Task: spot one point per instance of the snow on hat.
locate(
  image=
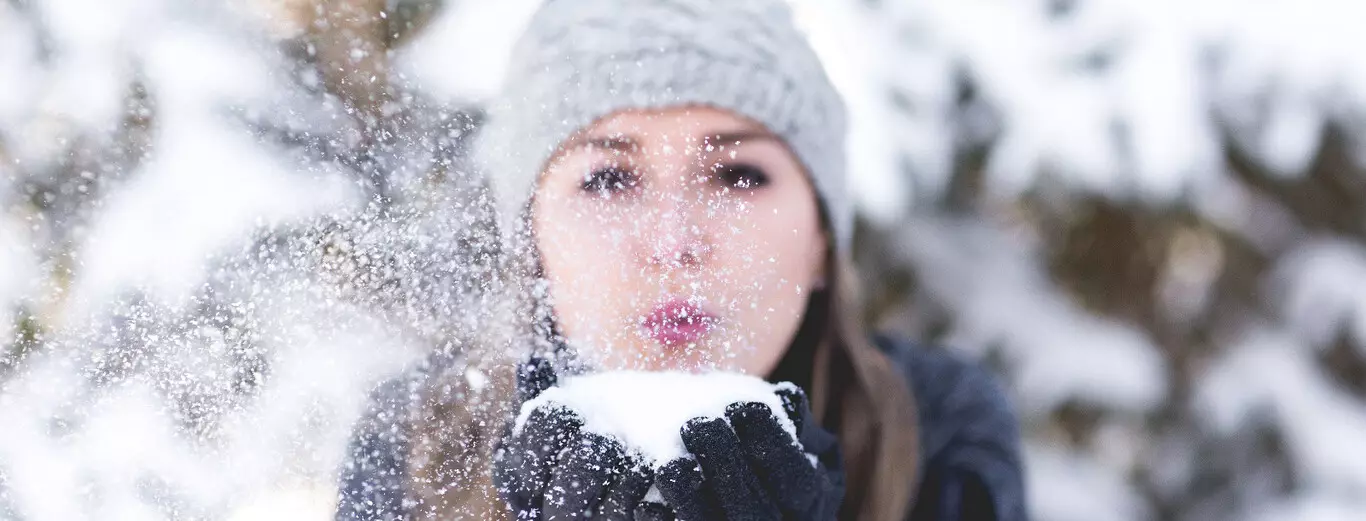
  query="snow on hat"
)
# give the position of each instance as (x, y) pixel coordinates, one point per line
(582, 60)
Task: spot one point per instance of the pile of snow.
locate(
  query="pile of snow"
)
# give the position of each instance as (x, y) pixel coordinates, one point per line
(645, 410)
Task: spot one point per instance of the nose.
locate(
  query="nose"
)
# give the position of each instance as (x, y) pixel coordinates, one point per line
(679, 252)
(679, 237)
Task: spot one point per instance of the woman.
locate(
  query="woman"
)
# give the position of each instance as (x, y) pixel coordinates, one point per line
(668, 177)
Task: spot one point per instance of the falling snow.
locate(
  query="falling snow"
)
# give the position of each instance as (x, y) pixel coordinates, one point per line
(225, 223)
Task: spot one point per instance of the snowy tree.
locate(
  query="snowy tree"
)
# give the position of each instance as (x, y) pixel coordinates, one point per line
(228, 213)
(224, 222)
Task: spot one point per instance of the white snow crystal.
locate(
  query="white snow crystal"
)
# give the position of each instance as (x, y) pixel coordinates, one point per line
(646, 409)
(476, 378)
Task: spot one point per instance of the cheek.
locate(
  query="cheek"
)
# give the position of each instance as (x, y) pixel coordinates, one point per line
(779, 254)
(781, 246)
(585, 265)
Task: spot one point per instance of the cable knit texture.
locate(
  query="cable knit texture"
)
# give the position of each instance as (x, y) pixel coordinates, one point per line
(581, 60)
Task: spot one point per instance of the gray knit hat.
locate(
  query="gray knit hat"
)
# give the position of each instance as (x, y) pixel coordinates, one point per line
(581, 60)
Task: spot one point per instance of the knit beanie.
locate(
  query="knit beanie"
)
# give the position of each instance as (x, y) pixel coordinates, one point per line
(582, 60)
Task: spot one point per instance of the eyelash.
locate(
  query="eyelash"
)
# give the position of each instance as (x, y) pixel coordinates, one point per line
(609, 180)
(741, 176)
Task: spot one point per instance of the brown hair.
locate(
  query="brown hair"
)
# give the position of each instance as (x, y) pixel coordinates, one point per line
(867, 403)
(853, 388)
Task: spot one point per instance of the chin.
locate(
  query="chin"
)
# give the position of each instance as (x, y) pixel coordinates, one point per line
(699, 359)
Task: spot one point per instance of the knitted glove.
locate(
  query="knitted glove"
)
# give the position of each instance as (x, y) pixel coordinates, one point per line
(752, 470)
(551, 469)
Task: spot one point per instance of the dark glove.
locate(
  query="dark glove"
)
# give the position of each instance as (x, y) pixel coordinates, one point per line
(551, 469)
(751, 469)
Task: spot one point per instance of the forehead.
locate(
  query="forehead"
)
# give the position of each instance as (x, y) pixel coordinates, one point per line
(688, 124)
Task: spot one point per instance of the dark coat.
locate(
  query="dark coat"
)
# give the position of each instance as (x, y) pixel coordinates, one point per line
(969, 443)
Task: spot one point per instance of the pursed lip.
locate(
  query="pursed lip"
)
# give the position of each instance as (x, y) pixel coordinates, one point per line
(677, 322)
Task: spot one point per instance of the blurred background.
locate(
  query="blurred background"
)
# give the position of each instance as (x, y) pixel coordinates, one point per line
(222, 222)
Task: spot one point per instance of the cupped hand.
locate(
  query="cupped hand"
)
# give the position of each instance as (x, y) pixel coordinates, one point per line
(748, 467)
(550, 468)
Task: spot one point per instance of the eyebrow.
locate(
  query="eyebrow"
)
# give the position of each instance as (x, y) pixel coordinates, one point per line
(735, 138)
(619, 143)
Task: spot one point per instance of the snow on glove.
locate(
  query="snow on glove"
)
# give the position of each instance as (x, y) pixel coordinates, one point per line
(552, 469)
(751, 469)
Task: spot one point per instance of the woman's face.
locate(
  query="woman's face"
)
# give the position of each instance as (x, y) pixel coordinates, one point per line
(684, 239)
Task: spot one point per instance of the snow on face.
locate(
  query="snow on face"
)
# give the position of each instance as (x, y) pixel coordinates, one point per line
(644, 410)
(683, 239)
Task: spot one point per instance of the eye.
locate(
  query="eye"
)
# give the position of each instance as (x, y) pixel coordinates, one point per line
(608, 180)
(744, 177)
